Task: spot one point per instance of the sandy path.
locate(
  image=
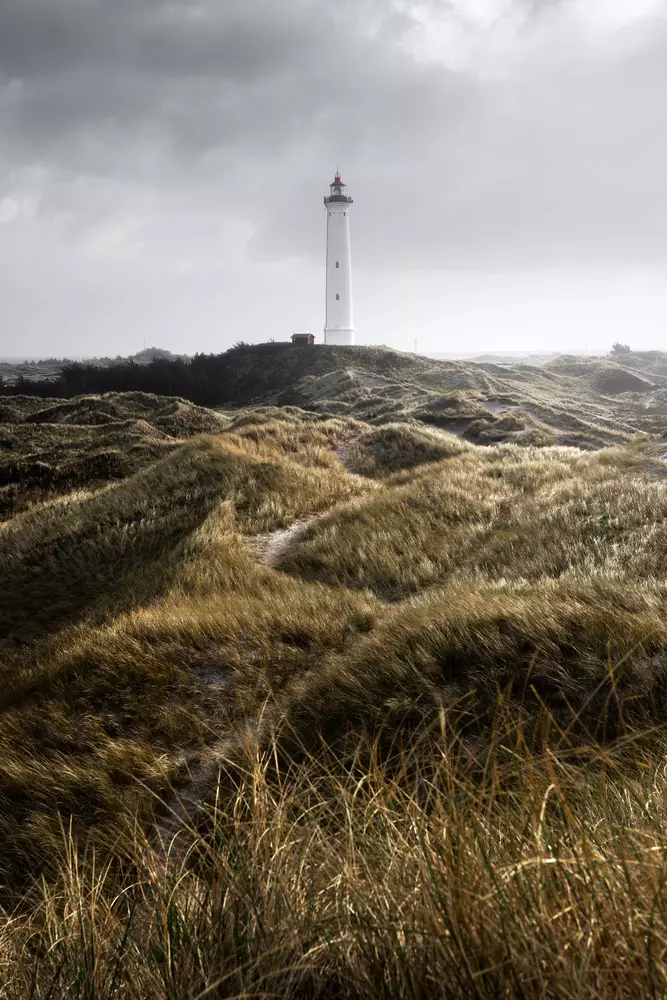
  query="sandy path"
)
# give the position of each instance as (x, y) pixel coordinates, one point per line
(371, 381)
(202, 765)
(270, 547)
(494, 407)
(342, 457)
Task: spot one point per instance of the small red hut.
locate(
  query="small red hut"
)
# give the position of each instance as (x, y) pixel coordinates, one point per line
(303, 338)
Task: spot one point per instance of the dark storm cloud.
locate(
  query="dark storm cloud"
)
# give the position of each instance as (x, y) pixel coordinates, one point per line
(144, 90)
(208, 74)
(561, 155)
(245, 76)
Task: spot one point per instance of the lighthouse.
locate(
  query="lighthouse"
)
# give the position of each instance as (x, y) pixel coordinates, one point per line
(339, 328)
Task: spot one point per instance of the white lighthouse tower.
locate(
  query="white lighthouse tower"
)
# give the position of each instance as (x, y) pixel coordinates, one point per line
(339, 327)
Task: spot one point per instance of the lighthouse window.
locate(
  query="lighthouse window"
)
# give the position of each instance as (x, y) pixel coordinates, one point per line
(337, 263)
(337, 297)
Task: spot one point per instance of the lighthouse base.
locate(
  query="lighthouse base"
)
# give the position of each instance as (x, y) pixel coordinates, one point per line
(339, 338)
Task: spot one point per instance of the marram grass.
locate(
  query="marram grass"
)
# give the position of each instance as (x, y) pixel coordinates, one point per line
(544, 877)
(420, 754)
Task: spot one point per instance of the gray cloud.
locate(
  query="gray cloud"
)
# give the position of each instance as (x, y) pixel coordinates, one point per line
(537, 138)
(250, 73)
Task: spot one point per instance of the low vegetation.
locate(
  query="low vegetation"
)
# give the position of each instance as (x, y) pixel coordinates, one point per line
(419, 753)
(50, 448)
(387, 449)
(502, 513)
(354, 886)
(587, 403)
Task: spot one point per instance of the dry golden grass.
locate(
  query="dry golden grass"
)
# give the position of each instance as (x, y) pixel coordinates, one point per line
(421, 757)
(96, 554)
(48, 448)
(500, 513)
(125, 612)
(395, 446)
(545, 878)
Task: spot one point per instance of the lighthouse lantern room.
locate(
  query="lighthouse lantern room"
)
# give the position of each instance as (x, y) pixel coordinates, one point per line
(339, 328)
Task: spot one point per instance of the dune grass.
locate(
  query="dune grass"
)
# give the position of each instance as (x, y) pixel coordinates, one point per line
(125, 612)
(395, 446)
(50, 448)
(545, 878)
(500, 513)
(121, 546)
(422, 756)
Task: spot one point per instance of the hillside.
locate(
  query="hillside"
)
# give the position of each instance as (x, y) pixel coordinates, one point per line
(48, 447)
(568, 401)
(353, 686)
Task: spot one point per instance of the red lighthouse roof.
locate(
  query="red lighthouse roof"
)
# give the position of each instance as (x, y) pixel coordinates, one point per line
(337, 181)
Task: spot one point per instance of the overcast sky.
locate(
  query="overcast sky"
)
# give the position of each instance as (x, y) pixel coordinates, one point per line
(162, 168)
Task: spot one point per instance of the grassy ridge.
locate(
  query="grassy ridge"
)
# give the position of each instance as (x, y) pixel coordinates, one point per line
(502, 513)
(569, 401)
(420, 749)
(50, 448)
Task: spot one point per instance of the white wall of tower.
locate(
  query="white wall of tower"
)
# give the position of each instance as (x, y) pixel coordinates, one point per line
(339, 327)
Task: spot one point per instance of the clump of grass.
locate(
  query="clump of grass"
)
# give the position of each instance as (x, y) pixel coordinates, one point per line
(545, 879)
(305, 438)
(592, 655)
(611, 379)
(392, 447)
